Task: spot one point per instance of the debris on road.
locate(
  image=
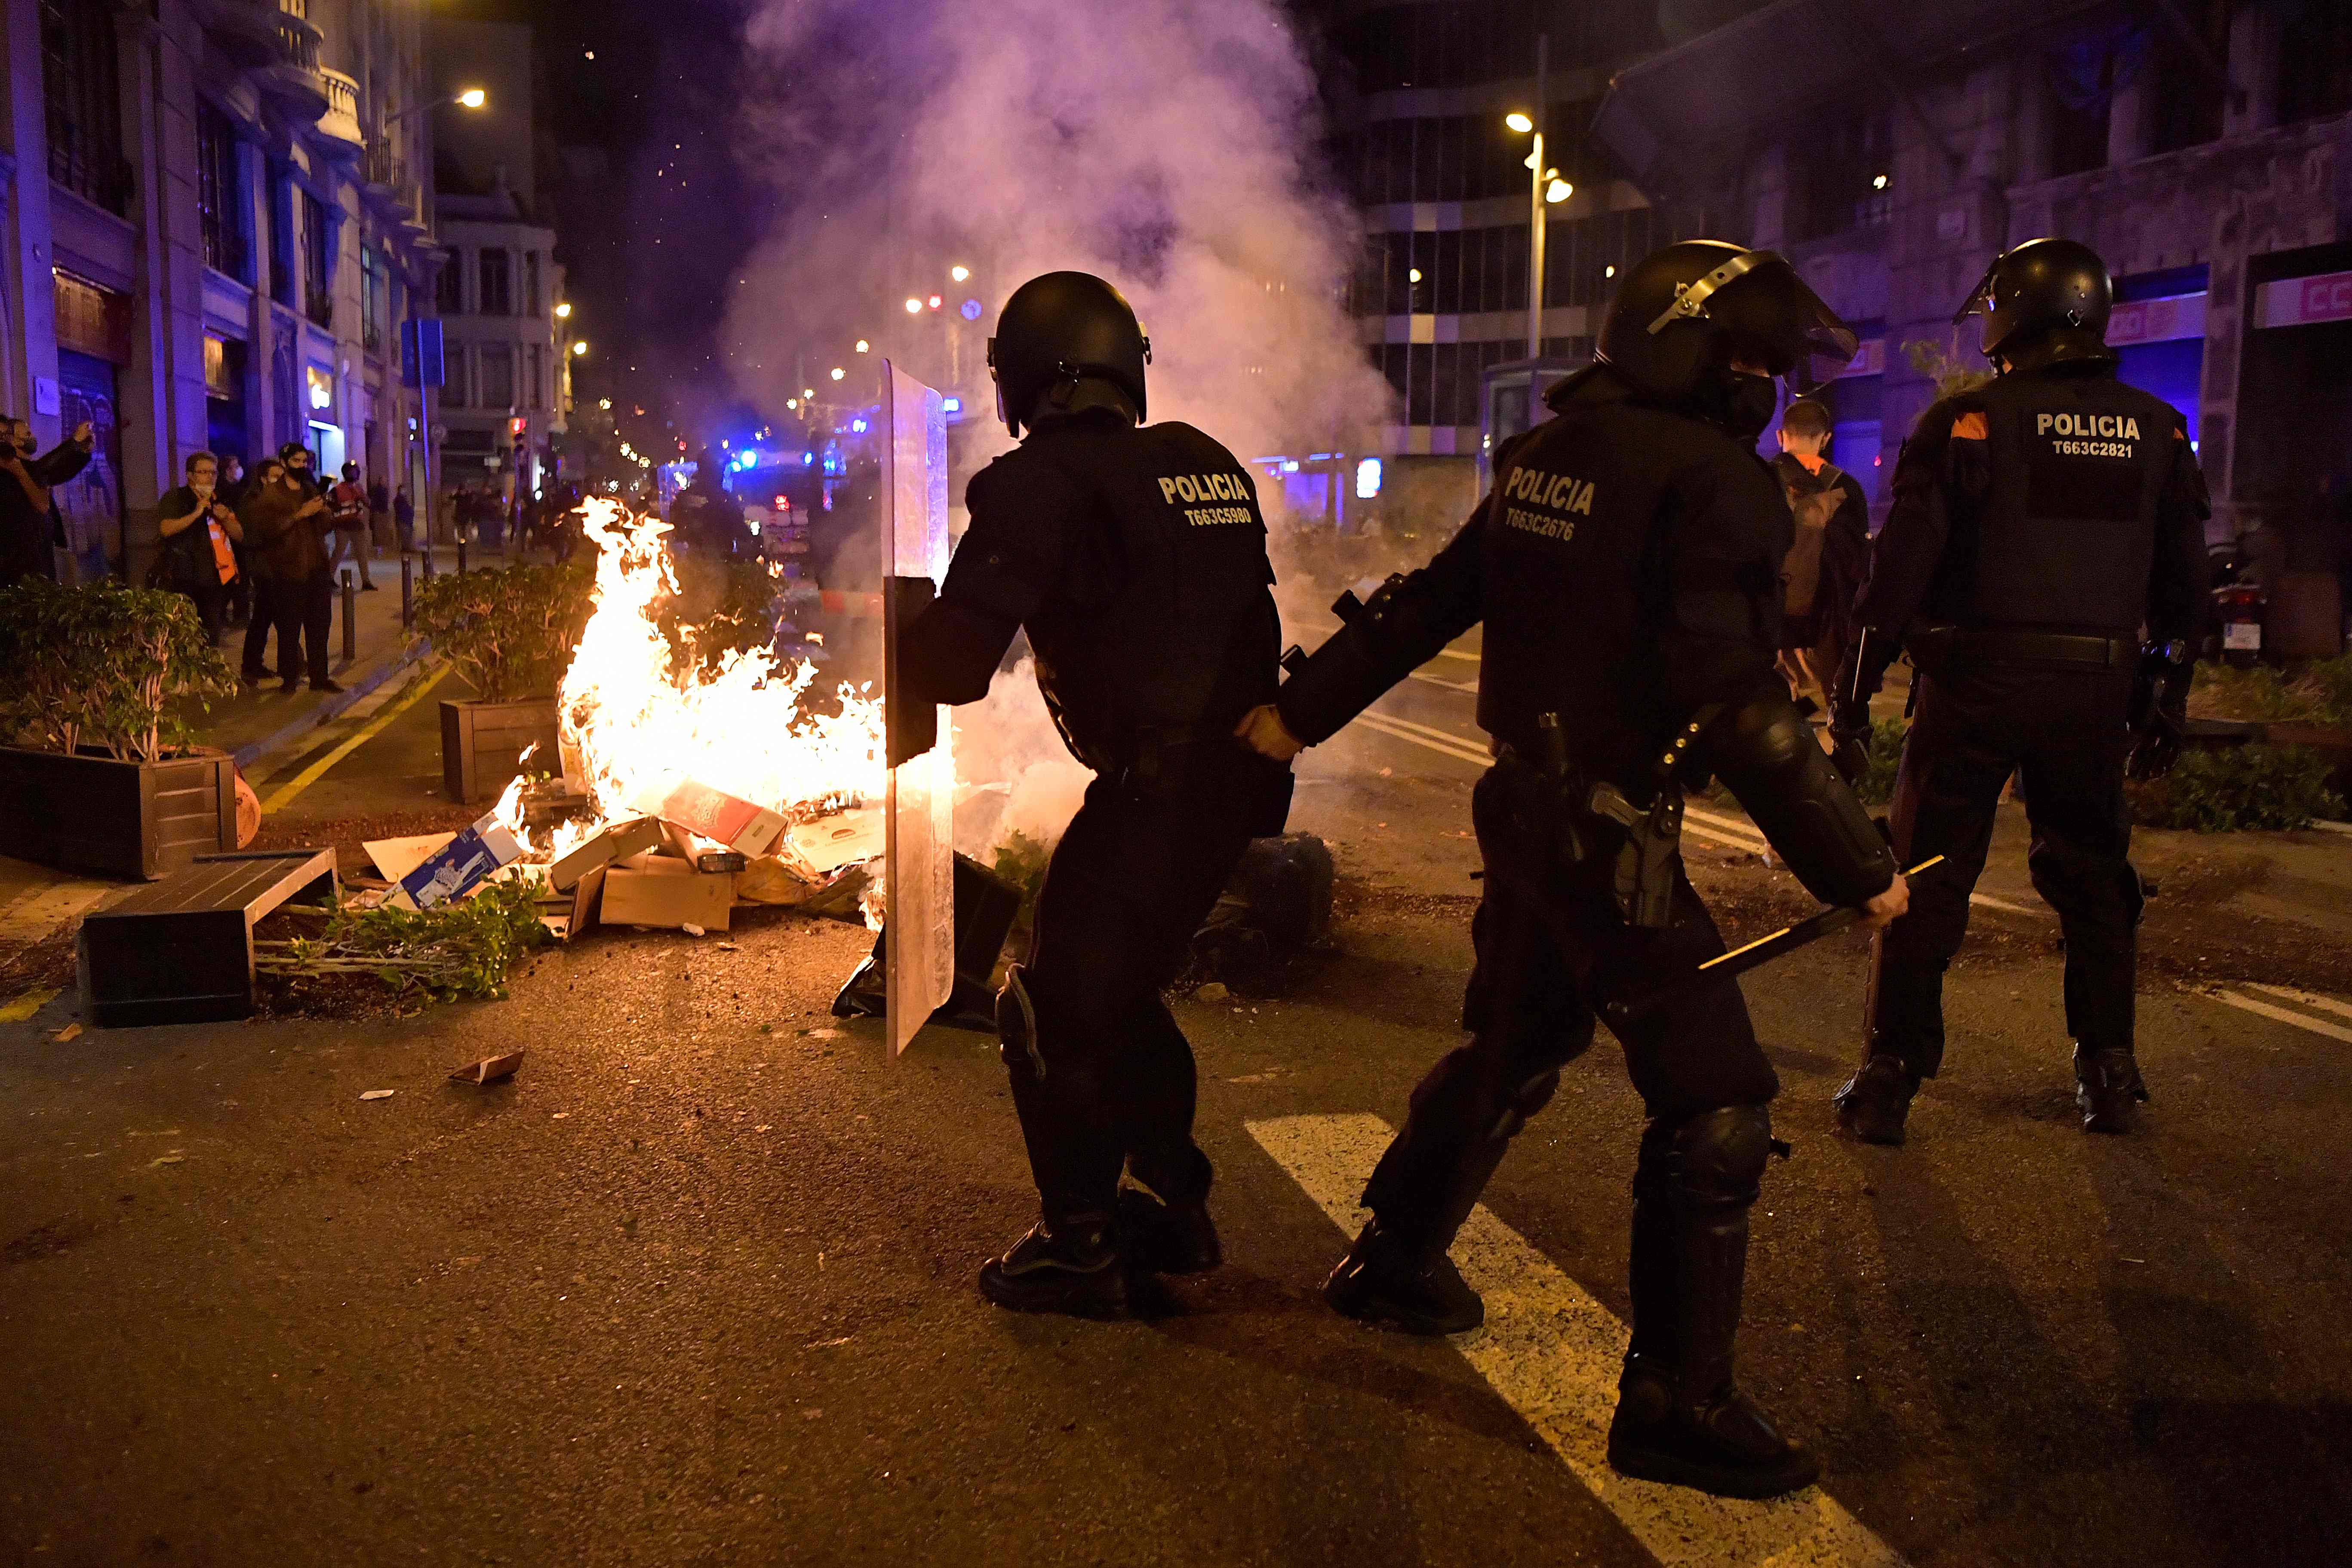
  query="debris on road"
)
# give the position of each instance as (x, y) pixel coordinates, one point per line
(378, 1093)
(70, 1032)
(489, 1070)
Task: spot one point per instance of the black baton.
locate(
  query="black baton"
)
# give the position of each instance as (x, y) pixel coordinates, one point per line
(1755, 955)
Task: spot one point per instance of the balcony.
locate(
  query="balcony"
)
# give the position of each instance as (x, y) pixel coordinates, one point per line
(246, 31)
(338, 133)
(387, 184)
(293, 77)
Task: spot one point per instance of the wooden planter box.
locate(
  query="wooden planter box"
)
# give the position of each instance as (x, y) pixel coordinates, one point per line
(482, 744)
(91, 813)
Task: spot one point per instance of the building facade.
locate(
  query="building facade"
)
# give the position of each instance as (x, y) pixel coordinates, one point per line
(502, 411)
(2204, 147)
(1418, 92)
(217, 212)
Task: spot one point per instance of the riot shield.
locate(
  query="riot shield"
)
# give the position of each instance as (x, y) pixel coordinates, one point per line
(919, 863)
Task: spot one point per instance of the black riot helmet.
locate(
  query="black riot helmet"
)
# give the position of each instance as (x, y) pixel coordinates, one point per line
(1065, 327)
(1682, 313)
(2040, 287)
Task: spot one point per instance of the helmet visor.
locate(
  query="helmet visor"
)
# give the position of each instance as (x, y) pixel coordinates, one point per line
(1981, 297)
(1764, 308)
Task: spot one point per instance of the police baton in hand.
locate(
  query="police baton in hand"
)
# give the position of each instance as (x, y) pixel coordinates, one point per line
(1755, 955)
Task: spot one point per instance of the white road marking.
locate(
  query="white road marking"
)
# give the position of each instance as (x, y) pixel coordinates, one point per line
(1324, 629)
(2325, 1004)
(1470, 687)
(1458, 750)
(1552, 1352)
(2248, 1004)
(1990, 902)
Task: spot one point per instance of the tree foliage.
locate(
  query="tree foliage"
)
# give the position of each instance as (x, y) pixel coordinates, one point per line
(511, 633)
(101, 666)
(2231, 788)
(459, 950)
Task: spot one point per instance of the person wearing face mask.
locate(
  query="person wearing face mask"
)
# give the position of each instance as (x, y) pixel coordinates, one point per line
(31, 529)
(199, 532)
(1626, 566)
(285, 518)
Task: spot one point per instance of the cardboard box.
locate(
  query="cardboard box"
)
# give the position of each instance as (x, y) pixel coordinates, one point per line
(714, 813)
(616, 842)
(396, 857)
(824, 845)
(651, 890)
(452, 871)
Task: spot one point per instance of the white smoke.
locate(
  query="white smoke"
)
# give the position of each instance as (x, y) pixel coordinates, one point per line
(1169, 145)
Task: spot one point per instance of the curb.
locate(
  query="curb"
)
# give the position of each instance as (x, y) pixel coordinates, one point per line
(332, 708)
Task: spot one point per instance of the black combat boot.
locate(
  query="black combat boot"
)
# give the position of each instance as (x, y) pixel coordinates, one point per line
(1167, 1237)
(1384, 1280)
(1681, 1418)
(1876, 1101)
(1071, 1265)
(2108, 1088)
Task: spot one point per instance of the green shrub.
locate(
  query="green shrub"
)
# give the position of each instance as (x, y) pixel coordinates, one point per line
(2315, 693)
(1876, 785)
(453, 950)
(2224, 790)
(101, 666)
(511, 633)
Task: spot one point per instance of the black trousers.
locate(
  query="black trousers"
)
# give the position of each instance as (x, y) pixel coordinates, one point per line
(303, 610)
(1111, 1081)
(212, 609)
(1552, 950)
(259, 619)
(2061, 733)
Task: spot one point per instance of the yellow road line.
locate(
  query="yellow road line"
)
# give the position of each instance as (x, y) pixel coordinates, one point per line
(358, 738)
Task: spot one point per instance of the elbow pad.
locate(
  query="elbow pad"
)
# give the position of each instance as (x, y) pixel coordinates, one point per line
(1384, 641)
(1768, 757)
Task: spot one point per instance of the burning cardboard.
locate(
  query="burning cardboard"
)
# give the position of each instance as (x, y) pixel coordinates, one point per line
(617, 842)
(452, 870)
(651, 890)
(713, 814)
(824, 844)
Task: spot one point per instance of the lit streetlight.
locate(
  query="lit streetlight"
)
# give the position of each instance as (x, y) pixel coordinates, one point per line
(862, 345)
(914, 307)
(959, 273)
(473, 97)
(580, 346)
(563, 310)
(838, 372)
(1526, 125)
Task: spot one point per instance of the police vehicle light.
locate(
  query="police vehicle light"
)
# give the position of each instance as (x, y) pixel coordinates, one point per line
(859, 426)
(935, 301)
(1878, 182)
(808, 459)
(972, 309)
(959, 273)
(953, 405)
(1368, 478)
(862, 345)
(1558, 191)
(1519, 122)
(914, 307)
(1289, 465)
(722, 443)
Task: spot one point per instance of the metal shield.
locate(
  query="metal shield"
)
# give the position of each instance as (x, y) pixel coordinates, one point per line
(919, 863)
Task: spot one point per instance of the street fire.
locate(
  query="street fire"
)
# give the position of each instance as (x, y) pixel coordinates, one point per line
(639, 718)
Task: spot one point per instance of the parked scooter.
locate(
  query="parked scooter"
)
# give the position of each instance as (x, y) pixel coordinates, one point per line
(2239, 609)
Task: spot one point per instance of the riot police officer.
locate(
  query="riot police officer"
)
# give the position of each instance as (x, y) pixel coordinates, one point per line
(1626, 564)
(2039, 523)
(1134, 555)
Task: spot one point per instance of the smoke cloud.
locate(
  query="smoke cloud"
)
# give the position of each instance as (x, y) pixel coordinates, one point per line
(1169, 145)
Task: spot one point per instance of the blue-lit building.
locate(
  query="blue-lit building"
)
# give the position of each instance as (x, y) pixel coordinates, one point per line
(217, 212)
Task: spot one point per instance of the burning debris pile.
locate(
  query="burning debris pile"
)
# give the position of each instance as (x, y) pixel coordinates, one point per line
(684, 789)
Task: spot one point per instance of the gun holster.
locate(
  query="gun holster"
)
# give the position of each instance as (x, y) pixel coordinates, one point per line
(1643, 879)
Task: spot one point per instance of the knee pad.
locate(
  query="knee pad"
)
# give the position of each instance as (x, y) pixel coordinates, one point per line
(1016, 1025)
(1718, 1157)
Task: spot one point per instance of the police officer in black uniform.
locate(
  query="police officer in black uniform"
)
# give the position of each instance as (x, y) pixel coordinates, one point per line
(2040, 522)
(1135, 557)
(1626, 564)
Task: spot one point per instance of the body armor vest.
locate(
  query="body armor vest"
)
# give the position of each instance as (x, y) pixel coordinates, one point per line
(2066, 533)
(1166, 627)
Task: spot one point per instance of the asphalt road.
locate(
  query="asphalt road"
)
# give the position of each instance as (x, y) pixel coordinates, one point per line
(696, 1287)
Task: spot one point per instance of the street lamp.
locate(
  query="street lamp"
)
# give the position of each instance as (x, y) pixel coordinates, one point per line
(838, 372)
(914, 307)
(471, 97)
(862, 345)
(563, 310)
(579, 347)
(1527, 124)
(959, 273)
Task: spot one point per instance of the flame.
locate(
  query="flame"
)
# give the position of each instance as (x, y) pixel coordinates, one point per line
(632, 714)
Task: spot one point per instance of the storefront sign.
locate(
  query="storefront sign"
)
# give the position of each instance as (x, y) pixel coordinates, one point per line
(2156, 320)
(2301, 302)
(323, 387)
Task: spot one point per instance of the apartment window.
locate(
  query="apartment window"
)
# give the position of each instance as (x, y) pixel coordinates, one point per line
(281, 235)
(497, 375)
(371, 298)
(455, 382)
(81, 83)
(219, 210)
(2316, 64)
(1847, 164)
(449, 288)
(497, 295)
(531, 282)
(2187, 98)
(318, 262)
(536, 357)
(2083, 75)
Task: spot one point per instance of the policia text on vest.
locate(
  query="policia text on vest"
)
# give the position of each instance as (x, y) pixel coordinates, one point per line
(2089, 434)
(1210, 486)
